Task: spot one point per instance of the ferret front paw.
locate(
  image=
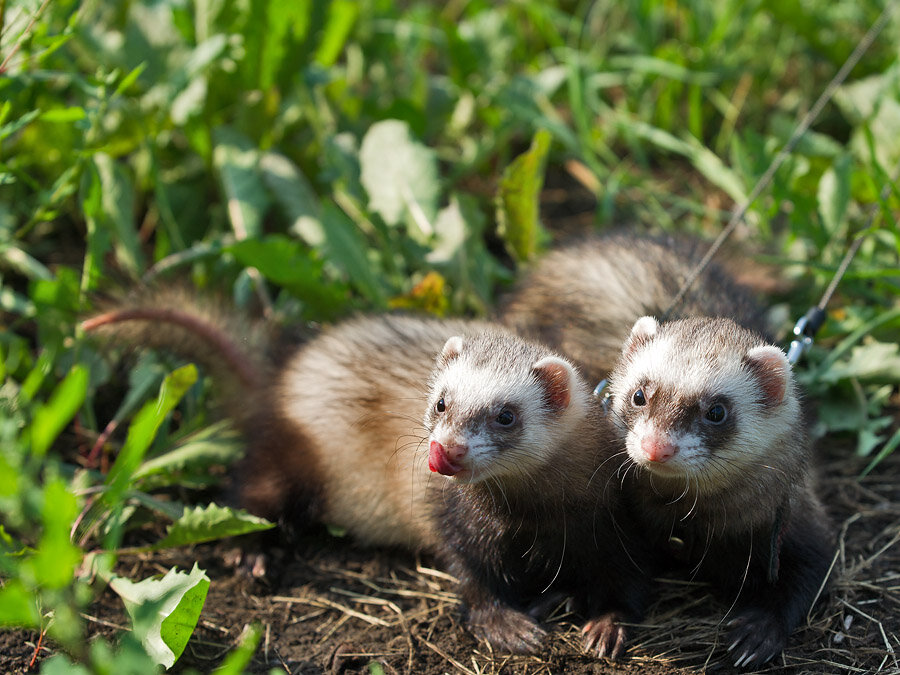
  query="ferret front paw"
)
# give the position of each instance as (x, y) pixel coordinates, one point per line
(756, 636)
(506, 629)
(605, 636)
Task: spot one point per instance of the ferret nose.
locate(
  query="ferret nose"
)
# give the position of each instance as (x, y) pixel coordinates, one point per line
(453, 452)
(658, 449)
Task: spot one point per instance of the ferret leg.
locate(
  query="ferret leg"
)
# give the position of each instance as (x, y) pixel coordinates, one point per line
(764, 622)
(488, 614)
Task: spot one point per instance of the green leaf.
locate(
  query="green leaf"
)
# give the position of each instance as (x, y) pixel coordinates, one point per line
(22, 121)
(284, 262)
(70, 114)
(23, 263)
(294, 194)
(143, 430)
(217, 445)
(703, 159)
(239, 658)
(342, 14)
(400, 176)
(872, 362)
(59, 664)
(518, 199)
(51, 417)
(347, 248)
(236, 159)
(834, 194)
(146, 374)
(117, 207)
(888, 448)
(164, 612)
(211, 522)
(18, 606)
(56, 557)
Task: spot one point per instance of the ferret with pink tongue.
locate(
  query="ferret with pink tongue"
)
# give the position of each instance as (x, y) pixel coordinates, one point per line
(510, 486)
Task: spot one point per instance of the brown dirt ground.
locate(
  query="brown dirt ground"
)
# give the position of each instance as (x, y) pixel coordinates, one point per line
(333, 607)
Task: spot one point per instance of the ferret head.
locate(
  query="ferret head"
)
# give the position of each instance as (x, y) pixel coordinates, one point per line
(499, 408)
(703, 399)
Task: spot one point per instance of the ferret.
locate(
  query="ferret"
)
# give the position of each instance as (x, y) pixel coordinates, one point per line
(582, 298)
(716, 471)
(710, 422)
(508, 485)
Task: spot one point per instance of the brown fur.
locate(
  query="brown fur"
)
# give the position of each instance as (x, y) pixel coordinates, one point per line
(335, 433)
(583, 297)
(759, 532)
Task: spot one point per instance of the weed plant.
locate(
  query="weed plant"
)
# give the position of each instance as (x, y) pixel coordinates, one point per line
(314, 158)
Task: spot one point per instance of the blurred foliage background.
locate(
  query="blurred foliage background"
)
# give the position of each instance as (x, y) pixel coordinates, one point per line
(319, 157)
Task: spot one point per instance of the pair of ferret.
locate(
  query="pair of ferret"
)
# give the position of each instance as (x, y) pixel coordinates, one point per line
(466, 440)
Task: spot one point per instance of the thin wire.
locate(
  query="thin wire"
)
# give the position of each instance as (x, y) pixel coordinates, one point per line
(783, 154)
(854, 247)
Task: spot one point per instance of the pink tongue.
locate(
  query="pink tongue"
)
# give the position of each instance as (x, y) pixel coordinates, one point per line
(439, 462)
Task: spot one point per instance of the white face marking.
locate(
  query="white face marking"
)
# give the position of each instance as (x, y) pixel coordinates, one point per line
(670, 373)
(473, 397)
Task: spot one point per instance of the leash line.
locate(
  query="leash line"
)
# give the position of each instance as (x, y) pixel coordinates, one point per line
(764, 180)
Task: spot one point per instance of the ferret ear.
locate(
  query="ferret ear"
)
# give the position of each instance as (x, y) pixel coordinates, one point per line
(557, 376)
(771, 369)
(642, 330)
(452, 348)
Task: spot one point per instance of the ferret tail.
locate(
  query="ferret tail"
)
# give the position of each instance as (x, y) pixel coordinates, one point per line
(205, 329)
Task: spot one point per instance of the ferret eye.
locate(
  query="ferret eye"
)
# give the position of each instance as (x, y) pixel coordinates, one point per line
(506, 418)
(440, 406)
(716, 414)
(638, 398)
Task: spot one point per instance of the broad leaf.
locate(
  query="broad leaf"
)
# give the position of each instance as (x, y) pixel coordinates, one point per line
(235, 158)
(143, 430)
(518, 199)
(164, 612)
(211, 522)
(53, 416)
(400, 176)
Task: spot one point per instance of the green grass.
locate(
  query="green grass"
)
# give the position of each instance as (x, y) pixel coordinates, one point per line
(326, 156)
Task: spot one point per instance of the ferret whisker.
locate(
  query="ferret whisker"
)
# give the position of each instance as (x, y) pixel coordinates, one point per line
(694, 505)
(562, 554)
(696, 570)
(603, 463)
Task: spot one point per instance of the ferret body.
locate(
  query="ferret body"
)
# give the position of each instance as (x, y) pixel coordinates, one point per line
(522, 514)
(716, 448)
(582, 298)
(717, 471)
(530, 512)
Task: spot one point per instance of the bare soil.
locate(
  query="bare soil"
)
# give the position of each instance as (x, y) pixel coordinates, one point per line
(329, 606)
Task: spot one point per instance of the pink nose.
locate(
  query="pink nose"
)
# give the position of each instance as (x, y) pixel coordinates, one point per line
(445, 460)
(658, 449)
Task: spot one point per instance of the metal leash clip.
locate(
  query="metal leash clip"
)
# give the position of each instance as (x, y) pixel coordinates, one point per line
(805, 329)
(604, 398)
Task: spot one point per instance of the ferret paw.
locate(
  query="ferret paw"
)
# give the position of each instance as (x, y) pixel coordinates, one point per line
(605, 636)
(253, 565)
(507, 630)
(755, 638)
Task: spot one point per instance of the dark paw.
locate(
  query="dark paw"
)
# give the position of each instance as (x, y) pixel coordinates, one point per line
(605, 636)
(507, 630)
(756, 636)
